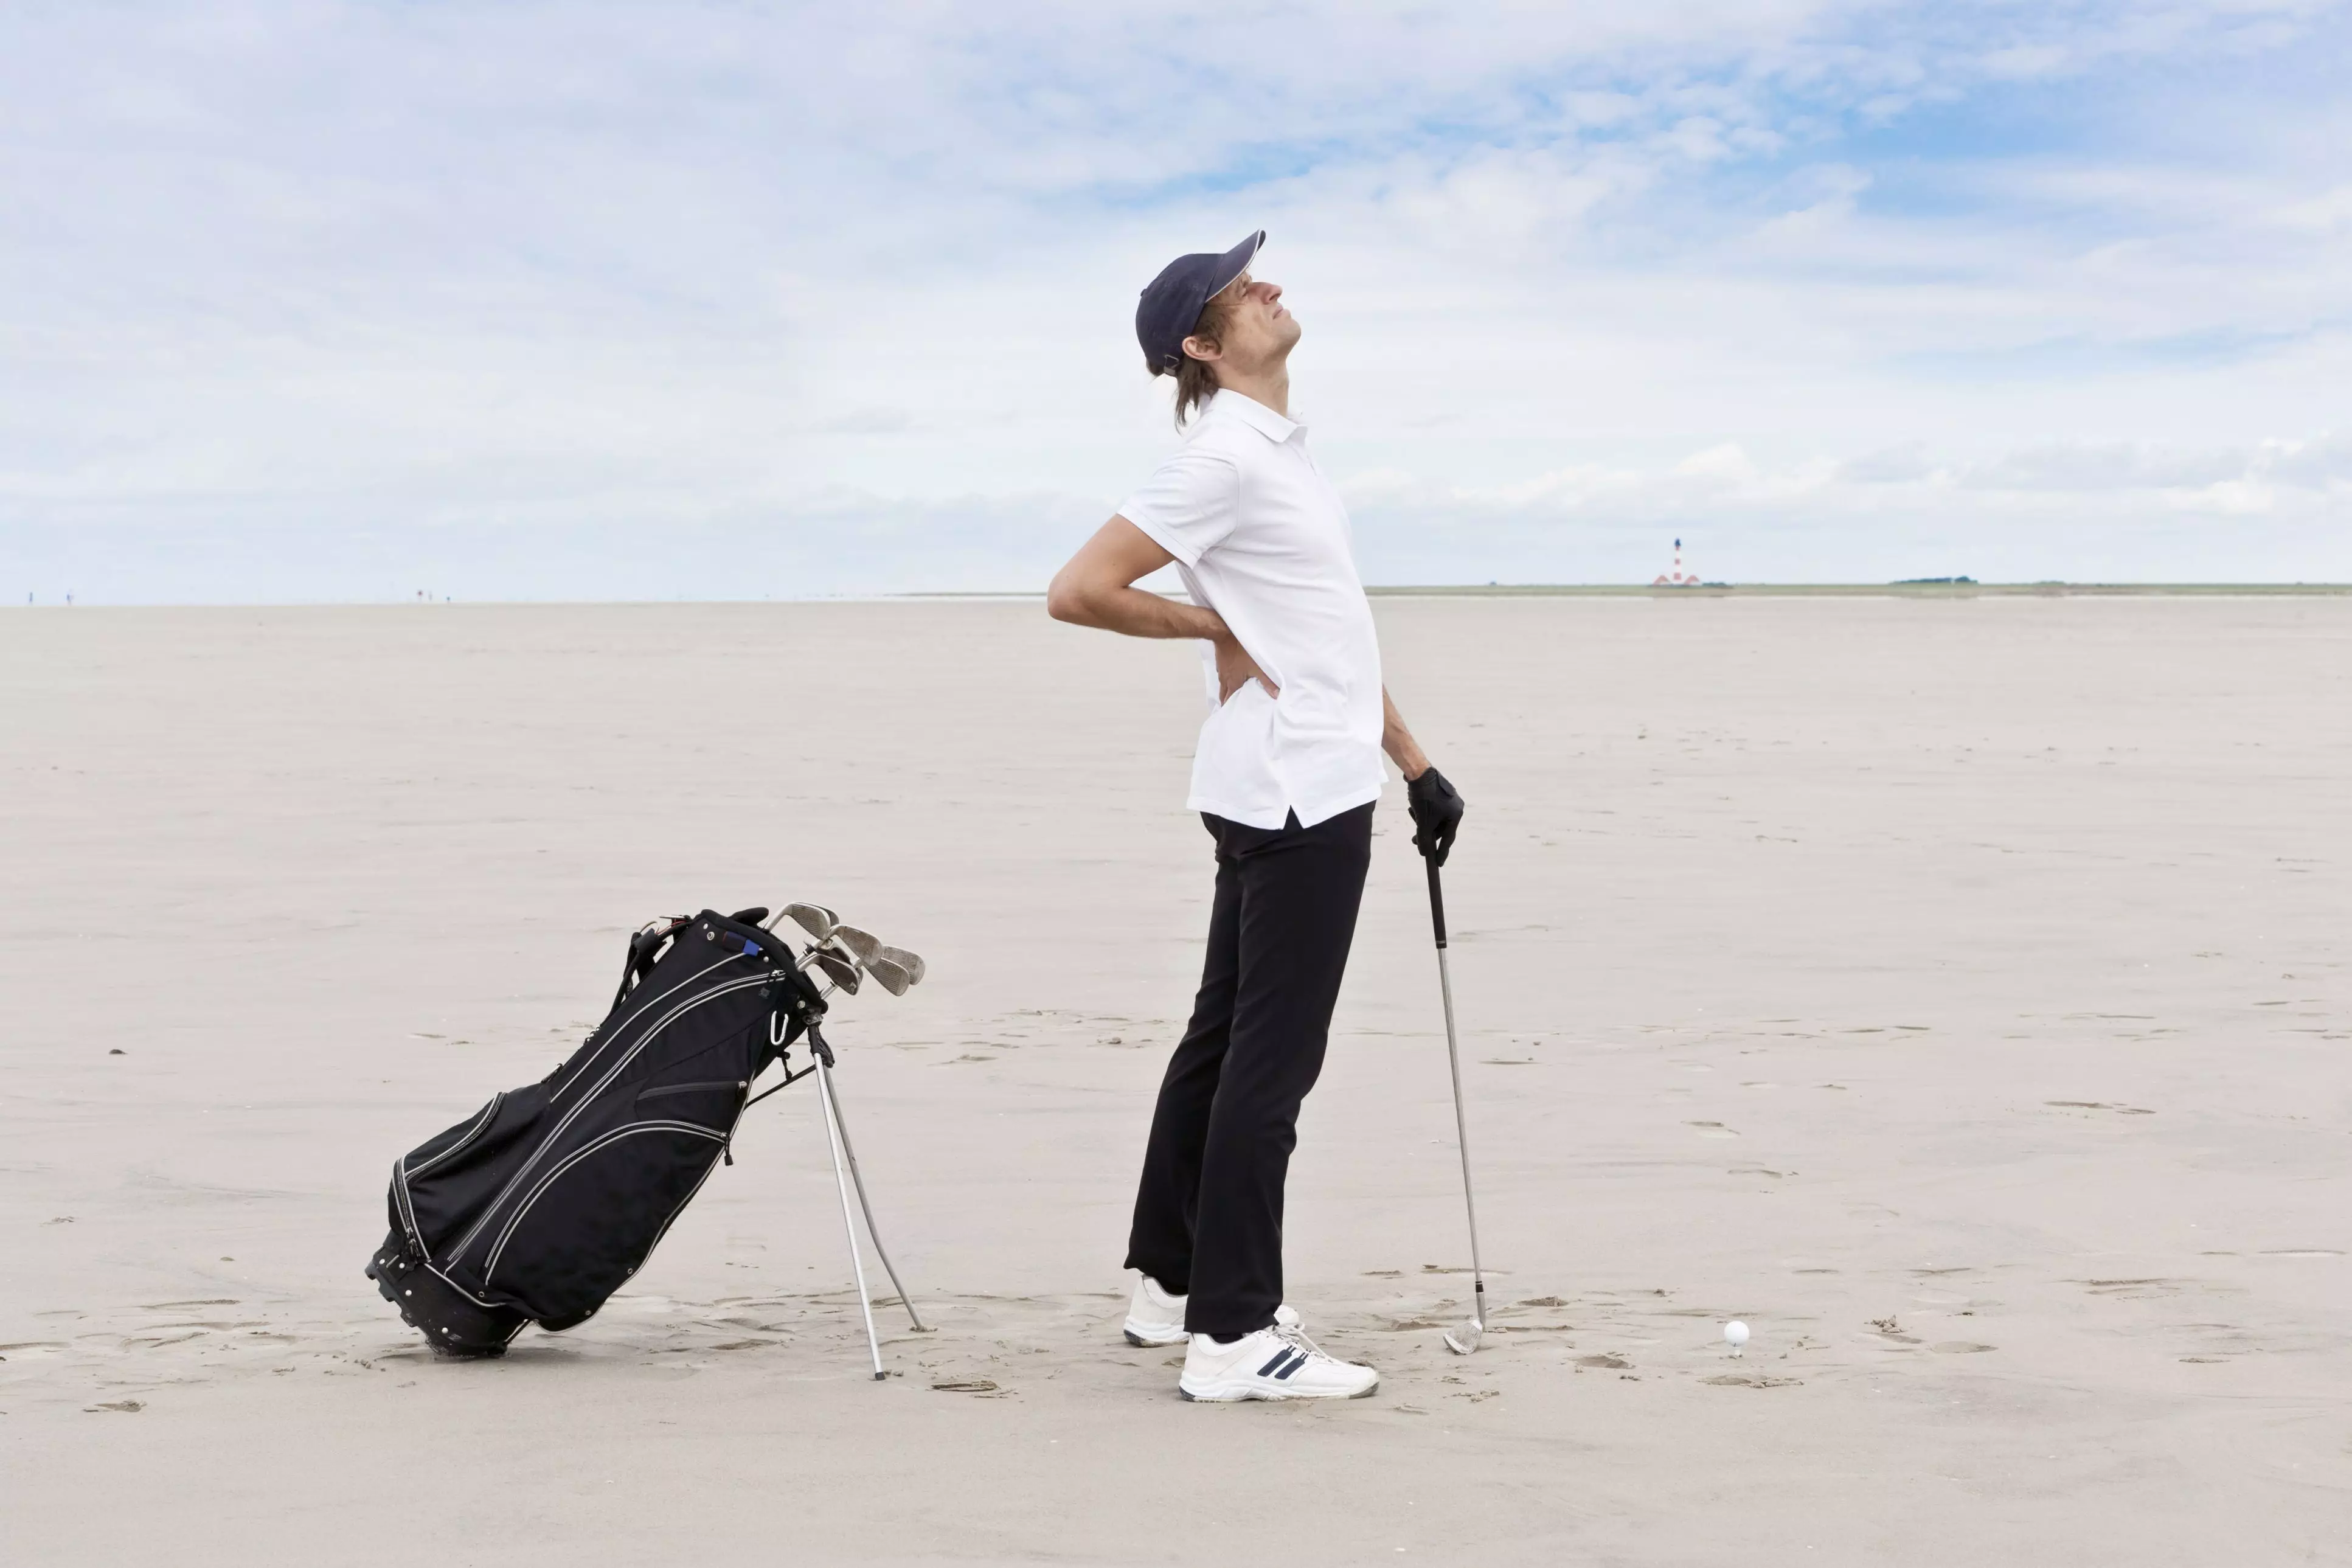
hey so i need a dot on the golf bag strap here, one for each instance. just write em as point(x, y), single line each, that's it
point(644, 947)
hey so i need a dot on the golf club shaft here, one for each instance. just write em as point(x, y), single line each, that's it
point(1454, 1063)
point(858, 1178)
point(848, 1221)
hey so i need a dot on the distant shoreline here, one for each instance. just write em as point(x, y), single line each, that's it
point(1394, 591)
point(1875, 590)
point(1801, 591)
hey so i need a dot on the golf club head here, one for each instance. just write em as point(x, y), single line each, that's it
point(861, 945)
point(891, 973)
point(813, 919)
point(1464, 1339)
point(911, 963)
point(838, 968)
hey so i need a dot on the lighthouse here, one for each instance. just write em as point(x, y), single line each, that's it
point(1677, 578)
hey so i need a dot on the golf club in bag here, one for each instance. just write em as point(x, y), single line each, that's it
point(541, 1206)
point(1461, 1340)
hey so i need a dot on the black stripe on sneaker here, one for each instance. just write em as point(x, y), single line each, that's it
point(1294, 1366)
point(1279, 1357)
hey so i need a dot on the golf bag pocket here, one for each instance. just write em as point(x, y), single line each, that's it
point(592, 1220)
point(442, 1185)
point(694, 1100)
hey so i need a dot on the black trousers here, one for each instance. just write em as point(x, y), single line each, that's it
point(1208, 1212)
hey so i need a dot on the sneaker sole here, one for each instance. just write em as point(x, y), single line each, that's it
point(1249, 1394)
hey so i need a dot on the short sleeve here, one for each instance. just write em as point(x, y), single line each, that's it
point(1190, 505)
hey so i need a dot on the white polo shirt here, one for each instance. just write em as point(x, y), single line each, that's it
point(1260, 537)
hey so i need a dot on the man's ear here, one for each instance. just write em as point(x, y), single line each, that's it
point(1202, 348)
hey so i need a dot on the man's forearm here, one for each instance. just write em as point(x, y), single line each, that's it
point(1398, 742)
point(1095, 587)
point(1136, 612)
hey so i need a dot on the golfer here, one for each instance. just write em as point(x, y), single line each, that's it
point(1285, 776)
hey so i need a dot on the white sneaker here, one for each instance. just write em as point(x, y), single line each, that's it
point(1157, 1318)
point(1279, 1362)
point(1154, 1316)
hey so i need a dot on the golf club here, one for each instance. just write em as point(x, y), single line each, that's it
point(839, 968)
point(861, 945)
point(813, 919)
point(1464, 1340)
point(845, 952)
point(889, 973)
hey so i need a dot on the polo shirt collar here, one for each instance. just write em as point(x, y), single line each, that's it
point(1257, 415)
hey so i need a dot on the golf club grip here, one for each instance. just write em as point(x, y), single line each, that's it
point(1436, 902)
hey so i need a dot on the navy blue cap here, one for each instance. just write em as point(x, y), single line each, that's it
point(1170, 308)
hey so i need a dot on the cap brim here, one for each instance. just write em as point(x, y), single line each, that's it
point(1233, 263)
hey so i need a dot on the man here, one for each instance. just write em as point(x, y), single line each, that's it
point(1284, 777)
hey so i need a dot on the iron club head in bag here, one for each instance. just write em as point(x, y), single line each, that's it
point(839, 968)
point(813, 919)
point(911, 963)
point(890, 973)
point(861, 945)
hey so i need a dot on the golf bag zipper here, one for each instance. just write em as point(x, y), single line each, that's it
point(402, 1175)
point(524, 1171)
point(547, 1180)
point(623, 1027)
point(727, 1148)
point(471, 1133)
point(734, 1083)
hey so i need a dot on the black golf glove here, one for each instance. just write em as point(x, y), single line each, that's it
point(1436, 810)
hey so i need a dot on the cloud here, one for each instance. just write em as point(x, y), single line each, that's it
point(1816, 270)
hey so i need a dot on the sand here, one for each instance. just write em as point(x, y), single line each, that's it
point(1956, 991)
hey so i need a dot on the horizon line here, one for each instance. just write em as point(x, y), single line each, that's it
point(1913, 588)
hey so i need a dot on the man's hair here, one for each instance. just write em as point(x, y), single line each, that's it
point(1196, 379)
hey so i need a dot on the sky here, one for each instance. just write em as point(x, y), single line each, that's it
point(306, 302)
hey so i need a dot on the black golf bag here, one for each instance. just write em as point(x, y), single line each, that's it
point(541, 1205)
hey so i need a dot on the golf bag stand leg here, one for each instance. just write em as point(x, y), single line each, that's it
point(818, 1049)
point(1461, 1119)
point(857, 1179)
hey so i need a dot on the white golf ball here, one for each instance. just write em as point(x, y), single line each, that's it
point(1735, 1333)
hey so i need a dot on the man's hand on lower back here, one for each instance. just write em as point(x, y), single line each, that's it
point(1236, 668)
